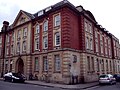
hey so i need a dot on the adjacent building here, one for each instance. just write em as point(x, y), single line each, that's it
point(60, 44)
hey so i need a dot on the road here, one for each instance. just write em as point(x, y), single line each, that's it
point(105, 87)
point(20, 86)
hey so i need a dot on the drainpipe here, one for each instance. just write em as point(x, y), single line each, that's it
point(4, 29)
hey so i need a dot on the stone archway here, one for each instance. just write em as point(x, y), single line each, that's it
point(20, 65)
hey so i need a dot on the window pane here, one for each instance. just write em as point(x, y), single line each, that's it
point(57, 63)
point(57, 39)
point(45, 63)
point(36, 64)
point(25, 32)
point(45, 42)
point(24, 45)
point(37, 29)
point(57, 20)
point(18, 47)
point(36, 43)
point(45, 25)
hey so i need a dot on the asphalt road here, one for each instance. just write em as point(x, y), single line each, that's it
point(105, 87)
point(20, 86)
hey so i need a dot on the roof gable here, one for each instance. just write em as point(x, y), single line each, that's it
point(22, 17)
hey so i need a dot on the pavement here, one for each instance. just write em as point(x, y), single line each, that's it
point(63, 86)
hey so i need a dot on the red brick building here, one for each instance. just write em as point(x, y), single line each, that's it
point(61, 43)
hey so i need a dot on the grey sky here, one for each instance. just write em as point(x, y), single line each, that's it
point(106, 12)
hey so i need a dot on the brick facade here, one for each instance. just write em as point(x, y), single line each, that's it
point(84, 51)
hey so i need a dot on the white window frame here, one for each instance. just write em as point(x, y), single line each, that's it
point(96, 46)
point(0, 39)
point(18, 34)
point(57, 39)
point(7, 50)
point(25, 32)
point(45, 63)
point(91, 44)
point(101, 48)
point(12, 50)
point(37, 29)
point(24, 45)
point(36, 64)
point(8, 38)
point(45, 26)
point(85, 26)
point(13, 36)
point(0, 51)
point(87, 43)
point(90, 27)
point(37, 44)
point(45, 42)
point(18, 47)
point(57, 63)
point(57, 20)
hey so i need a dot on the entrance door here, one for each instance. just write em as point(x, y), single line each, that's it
point(20, 66)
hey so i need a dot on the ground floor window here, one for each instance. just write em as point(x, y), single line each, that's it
point(57, 63)
point(45, 63)
point(36, 64)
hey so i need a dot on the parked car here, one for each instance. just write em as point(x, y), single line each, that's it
point(107, 79)
point(117, 77)
point(14, 77)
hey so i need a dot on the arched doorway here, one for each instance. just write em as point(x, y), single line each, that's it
point(20, 65)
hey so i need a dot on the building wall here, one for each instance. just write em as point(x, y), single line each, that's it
point(81, 60)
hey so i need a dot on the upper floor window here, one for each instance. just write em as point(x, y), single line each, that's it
point(12, 50)
point(25, 32)
point(87, 43)
point(0, 39)
point(101, 48)
point(90, 28)
point(19, 32)
point(45, 63)
point(8, 38)
point(57, 63)
point(57, 20)
point(57, 39)
point(114, 42)
point(18, 47)
point(106, 52)
point(37, 44)
point(45, 42)
point(85, 26)
point(96, 46)
point(24, 45)
point(46, 25)
point(100, 37)
point(37, 29)
point(96, 35)
point(0, 51)
point(7, 50)
point(13, 36)
point(40, 13)
point(91, 44)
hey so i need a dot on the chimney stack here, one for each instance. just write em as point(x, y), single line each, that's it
point(5, 26)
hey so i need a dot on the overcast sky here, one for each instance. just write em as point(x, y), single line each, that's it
point(106, 12)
